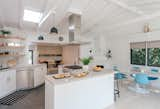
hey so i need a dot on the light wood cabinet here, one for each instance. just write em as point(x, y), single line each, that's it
point(71, 54)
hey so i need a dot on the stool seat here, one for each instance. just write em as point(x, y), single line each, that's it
point(118, 76)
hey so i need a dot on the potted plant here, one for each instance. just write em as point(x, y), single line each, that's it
point(5, 32)
point(86, 62)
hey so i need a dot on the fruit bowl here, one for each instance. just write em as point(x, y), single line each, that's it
point(97, 69)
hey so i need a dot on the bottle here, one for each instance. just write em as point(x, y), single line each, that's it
point(60, 69)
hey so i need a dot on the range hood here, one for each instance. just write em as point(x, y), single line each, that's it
point(74, 33)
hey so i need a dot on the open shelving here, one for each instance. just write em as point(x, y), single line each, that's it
point(11, 55)
point(12, 37)
point(11, 47)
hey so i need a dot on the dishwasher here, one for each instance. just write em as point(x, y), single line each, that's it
point(25, 78)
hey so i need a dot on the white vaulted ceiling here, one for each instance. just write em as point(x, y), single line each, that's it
point(104, 13)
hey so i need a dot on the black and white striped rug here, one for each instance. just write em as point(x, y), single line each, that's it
point(13, 98)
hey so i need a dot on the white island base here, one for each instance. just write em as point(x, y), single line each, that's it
point(95, 91)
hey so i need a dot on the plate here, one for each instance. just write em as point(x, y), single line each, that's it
point(62, 75)
point(80, 75)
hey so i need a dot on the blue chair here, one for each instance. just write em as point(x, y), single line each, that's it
point(142, 81)
point(154, 70)
point(115, 68)
point(136, 69)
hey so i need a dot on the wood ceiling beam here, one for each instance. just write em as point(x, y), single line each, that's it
point(2, 21)
point(21, 12)
point(125, 6)
point(135, 20)
point(50, 12)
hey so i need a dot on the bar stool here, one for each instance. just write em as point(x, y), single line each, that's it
point(117, 77)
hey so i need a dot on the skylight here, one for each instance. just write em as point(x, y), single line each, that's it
point(32, 16)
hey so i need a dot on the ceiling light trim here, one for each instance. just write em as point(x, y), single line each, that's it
point(32, 16)
point(127, 7)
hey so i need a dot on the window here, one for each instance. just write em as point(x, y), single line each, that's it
point(138, 53)
point(32, 16)
point(153, 53)
point(30, 57)
point(138, 56)
point(145, 53)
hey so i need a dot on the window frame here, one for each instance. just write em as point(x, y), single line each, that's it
point(148, 59)
point(31, 55)
point(146, 55)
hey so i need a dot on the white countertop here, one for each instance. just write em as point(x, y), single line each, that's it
point(5, 70)
point(22, 67)
point(95, 91)
point(91, 74)
point(28, 65)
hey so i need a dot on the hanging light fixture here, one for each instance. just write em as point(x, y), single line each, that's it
point(54, 30)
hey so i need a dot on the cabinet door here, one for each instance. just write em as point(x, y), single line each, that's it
point(38, 76)
point(2, 80)
point(8, 82)
point(22, 79)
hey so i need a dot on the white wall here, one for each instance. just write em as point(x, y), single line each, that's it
point(121, 48)
point(31, 37)
point(118, 38)
point(99, 45)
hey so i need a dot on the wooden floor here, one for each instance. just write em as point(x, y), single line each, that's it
point(35, 100)
point(128, 100)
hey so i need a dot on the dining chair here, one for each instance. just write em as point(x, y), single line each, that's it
point(154, 70)
point(142, 81)
point(136, 69)
point(115, 68)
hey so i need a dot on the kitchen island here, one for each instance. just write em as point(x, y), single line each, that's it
point(94, 91)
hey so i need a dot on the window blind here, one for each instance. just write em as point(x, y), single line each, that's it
point(138, 45)
point(153, 44)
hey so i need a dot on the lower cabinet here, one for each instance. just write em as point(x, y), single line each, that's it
point(21, 79)
point(31, 77)
point(39, 75)
point(7, 82)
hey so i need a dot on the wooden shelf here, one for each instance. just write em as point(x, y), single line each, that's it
point(12, 47)
point(12, 37)
point(50, 54)
point(8, 55)
point(52, 69)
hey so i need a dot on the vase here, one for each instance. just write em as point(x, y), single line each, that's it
point(85, 68)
